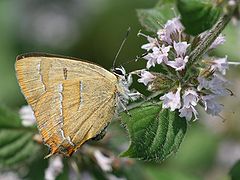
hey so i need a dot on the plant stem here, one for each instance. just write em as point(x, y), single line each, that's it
point(209, 38)
point(135, 105)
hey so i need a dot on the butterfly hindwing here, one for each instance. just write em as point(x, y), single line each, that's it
point(72, 100)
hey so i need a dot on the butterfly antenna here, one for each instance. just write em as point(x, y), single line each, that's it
point(136, 59)
point(121, 46)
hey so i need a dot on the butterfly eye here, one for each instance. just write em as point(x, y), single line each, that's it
point(119, 71)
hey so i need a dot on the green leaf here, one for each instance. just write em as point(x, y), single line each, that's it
point(198, 15)
point(16, 144)
point(155, 133)
point(235, 171)
point(152, 19)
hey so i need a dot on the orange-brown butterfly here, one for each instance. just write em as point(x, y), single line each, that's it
point(73, 100)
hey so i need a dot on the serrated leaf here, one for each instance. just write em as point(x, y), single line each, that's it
point(198, 16)
point(235, 171)
point(155, 133)
point(16, 144)
point(23, 154)
point(152, 19)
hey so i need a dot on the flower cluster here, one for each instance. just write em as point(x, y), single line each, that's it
point(159, 48)
point(27, 115)
point(104, 162)
point(55, 167)
point(202, 84)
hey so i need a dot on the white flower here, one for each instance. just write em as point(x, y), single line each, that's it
point(164, 36)
point(180, 48)
point(153, 42)
point(161, 54)
point(232, 2)
point(218, 41)
point(146, 77)
point(9, 175)
point(216, 85)
point(151, 60)
point(211, 106)
point(179, 63)
point(172, 100)
point(55, 167)
point(187, 113)
point(165, 51)
point(203, 83)
point(104, 162)
point(190, 98)
point(27, 116)
point(220, 64)
point(158, 55)
point(174, 25)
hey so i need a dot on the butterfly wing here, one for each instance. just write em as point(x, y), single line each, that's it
point(72, 100)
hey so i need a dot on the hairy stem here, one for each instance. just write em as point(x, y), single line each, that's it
point(138, 104)
point(209, 38)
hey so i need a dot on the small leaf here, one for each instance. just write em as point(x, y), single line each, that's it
point(16, 144)
point(197, 15)
point(152, 19)
point(235, 171)
point(155, 133)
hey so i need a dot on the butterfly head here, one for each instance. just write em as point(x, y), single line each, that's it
point(123, 77)
point(120, 72)
point(124, 82)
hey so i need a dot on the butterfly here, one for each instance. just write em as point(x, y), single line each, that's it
point(72, 99)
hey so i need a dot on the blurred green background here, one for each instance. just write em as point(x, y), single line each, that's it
point(93, 30)
point(87, 29)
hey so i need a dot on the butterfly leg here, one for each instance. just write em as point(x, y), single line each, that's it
point(137, 72)
point(135, 95)
point(120, 104)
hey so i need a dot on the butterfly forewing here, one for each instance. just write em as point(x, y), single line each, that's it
point(72, 100)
